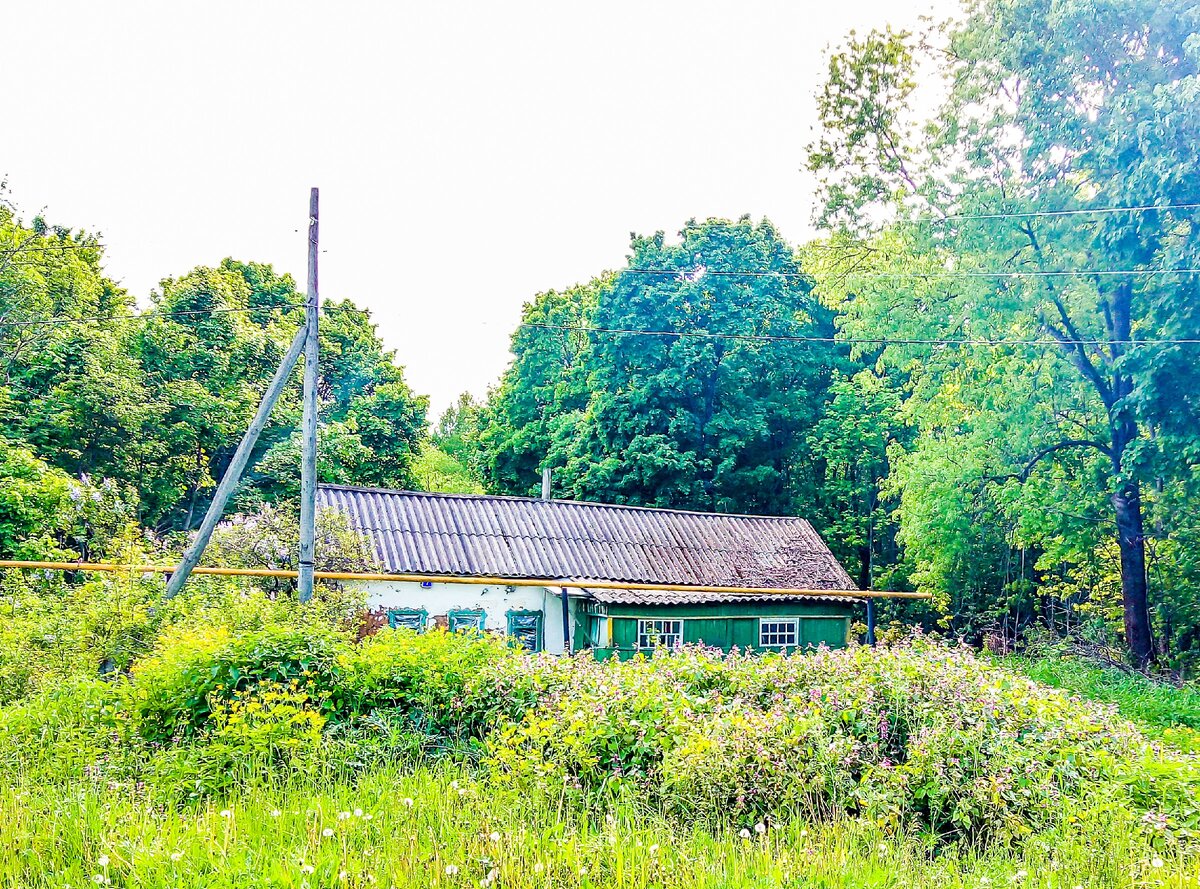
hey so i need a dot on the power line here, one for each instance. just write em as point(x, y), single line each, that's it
point(41, 248)
point(1082, 211)
point(34, 322)
point(878, 341)
point(702, 272)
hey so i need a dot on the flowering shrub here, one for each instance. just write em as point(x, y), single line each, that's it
point(915, 734)
point(175, 691)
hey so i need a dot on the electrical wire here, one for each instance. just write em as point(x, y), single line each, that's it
point(34, 322)
point(700, 273)
point(41, 248)
point(1081, 211)
point(878, 341)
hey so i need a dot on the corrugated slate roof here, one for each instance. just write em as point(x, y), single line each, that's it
point(483, 536)
point(662, 597)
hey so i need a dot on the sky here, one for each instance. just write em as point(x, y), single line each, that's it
point(469, 155)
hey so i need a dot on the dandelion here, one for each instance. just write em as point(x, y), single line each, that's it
point(883, 848)
point(744, 833)
point(492, 875)
point(225, 813)
point(451, 870)
point(342, 816)
point(760, 828)
point(175, 856)
point(495, 836)
point(653, 850)
point(102, 861)
point(342, 875)
point(1156, 862)
point(275, 813)
point(307, 868)
point(538, 867)
point(368, 816)
point(327, 832)
point(358, 813)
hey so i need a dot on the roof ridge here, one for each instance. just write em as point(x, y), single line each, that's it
point(558, 500)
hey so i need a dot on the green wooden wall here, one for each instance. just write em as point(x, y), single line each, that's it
point(726, 625)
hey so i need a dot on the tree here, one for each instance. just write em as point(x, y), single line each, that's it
point(543, 393)
point(708, 412)
point(1101, 118)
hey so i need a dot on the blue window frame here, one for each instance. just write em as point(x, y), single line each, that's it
point(460, 620)
point(526, 628)
point(409, 618)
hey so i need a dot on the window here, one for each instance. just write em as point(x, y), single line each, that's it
point(651, 633)
point(526, 628)
point(408, 618)
point(458, 621)
point(776, 633)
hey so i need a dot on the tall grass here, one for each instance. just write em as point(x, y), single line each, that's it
point(1162, 710)
point(436, 826)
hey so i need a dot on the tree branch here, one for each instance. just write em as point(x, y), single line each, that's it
point(1023, 474)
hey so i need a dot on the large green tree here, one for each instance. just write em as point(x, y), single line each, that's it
point(688, 379)
point(1101, 117)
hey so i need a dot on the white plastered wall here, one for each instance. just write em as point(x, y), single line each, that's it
point(439, 599)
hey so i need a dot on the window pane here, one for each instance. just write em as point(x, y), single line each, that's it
point(465, 620)
point(412, 620)
point(653, 633)
point(527, 629)
point(777, 633)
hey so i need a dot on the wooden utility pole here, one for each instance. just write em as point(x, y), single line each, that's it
point(308, 461)
point(233, 474)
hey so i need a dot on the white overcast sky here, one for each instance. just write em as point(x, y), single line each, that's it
point(469, 155)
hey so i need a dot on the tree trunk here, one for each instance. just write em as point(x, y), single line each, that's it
point(1127, 502)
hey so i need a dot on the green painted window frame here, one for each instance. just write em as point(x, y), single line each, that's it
point(419, 613)
point(775, 633)
point(456, 614)
point(540, 640)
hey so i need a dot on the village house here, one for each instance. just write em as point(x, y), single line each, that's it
point(529, 543)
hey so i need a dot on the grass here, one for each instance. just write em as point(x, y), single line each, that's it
point(1053, 794)
point(1164, 711)
point(433, 826)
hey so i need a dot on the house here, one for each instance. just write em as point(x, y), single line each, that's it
point(515, 548)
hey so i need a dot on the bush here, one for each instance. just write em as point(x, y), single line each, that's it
point(175, 691)
point(438, 679)
point(919, 734)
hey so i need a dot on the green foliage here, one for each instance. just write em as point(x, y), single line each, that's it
point(1032, 468)
point(45, 514)
point(917, 735)
point(195, 674)
point(1161, 709)
point(436, 470)
point(157, 402)
point(676, 419)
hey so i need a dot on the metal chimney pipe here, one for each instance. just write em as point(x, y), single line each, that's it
point(546, 483)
